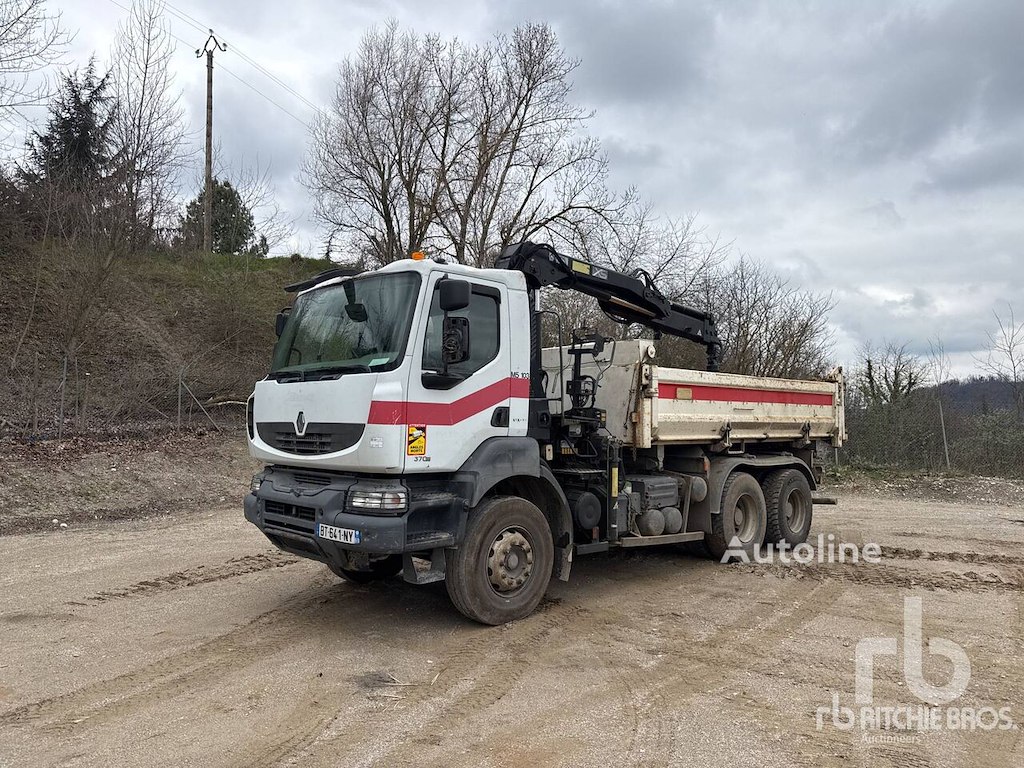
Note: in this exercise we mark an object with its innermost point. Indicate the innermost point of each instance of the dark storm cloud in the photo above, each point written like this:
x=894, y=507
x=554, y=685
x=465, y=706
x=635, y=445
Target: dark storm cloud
x=621, y=151
x=997, y=164
x=631, y=53
x=931, y=69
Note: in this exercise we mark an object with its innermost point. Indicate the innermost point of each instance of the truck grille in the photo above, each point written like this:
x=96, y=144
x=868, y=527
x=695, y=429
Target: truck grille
x=309, y=444
x=290, y=510
x=317, y=439
x=312, y=478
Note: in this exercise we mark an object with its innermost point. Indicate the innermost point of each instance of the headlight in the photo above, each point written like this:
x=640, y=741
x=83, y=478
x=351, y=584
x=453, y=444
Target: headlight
x=254, y=484
x=392, y=501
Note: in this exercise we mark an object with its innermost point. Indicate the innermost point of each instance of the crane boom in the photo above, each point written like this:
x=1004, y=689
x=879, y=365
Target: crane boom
x=625, y=298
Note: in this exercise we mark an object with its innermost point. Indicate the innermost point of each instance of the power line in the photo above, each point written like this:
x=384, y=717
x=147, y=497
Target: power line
x=182, y=16
x=261, y=93
x=277, y=80
x=188, y=19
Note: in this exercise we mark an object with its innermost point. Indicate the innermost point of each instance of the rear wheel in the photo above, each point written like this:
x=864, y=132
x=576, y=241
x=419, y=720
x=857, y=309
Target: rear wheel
x=741, y=523
x=385, y=568
x=502, y=568
x=788, y=496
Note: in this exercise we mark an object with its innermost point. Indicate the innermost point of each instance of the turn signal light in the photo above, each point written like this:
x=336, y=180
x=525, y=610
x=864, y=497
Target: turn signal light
x=417, y=256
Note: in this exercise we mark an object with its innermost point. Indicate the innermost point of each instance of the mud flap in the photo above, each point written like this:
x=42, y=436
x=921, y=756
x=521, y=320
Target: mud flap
x=563, y=562
x=434, y=573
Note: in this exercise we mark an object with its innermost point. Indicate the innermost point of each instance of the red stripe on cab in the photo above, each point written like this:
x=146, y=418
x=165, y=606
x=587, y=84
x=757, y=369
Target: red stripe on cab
x=447, y=414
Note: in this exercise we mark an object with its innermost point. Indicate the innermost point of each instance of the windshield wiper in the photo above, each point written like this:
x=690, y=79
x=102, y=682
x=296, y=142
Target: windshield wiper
x=323, y=372
x=334, y=370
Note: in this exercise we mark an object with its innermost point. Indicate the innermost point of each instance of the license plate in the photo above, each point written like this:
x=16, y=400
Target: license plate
x=342, y=535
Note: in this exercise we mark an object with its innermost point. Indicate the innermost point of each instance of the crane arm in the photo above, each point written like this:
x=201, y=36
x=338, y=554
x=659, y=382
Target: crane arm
x=625, y=298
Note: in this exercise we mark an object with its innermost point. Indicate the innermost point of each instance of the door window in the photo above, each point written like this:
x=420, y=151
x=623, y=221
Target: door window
x=482, y=313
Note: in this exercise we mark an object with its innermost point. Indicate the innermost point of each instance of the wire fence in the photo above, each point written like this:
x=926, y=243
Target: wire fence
x=926, y=431
x=56, y=398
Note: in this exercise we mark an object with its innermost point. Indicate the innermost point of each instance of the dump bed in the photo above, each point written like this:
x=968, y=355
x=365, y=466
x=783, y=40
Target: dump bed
x=648, y=405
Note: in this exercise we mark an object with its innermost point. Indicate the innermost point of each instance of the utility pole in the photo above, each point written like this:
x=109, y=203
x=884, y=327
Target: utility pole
x=211, y=45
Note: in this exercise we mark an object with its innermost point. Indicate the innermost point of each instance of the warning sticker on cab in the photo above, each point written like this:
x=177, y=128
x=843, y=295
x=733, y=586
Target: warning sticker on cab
x=416, y=445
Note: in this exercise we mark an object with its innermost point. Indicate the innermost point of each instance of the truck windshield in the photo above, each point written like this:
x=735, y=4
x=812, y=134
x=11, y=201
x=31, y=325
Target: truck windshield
x=360, y=325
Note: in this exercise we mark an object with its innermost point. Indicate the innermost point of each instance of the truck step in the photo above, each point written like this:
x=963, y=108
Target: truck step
x=415, y=575
x=668, y=538
x=824, y=500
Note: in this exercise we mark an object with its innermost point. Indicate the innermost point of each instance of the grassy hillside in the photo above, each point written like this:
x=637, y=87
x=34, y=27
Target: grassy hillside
x=125, y=334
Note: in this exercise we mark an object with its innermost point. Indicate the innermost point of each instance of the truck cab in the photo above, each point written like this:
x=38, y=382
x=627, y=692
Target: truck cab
x=388, y=414
x=357, y=383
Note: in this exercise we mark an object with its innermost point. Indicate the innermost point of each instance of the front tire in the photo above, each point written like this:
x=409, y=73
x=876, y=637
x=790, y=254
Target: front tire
x=741, y=522
x=501, y=570
x=788, y=495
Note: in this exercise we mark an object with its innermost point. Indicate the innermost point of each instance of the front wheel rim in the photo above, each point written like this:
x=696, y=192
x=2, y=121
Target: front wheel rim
x=510, y=561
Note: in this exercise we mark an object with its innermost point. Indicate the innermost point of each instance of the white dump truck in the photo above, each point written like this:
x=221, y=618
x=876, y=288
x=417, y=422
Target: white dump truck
x=412, y=424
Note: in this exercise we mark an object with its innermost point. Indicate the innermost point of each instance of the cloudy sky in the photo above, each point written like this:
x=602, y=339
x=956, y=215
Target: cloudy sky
x=870, y=149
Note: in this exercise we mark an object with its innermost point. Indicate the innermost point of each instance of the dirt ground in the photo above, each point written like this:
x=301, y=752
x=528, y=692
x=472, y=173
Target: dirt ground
x=174, y=634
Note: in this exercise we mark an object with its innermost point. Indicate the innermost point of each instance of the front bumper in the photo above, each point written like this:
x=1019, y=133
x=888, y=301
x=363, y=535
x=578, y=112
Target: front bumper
x=291, y=504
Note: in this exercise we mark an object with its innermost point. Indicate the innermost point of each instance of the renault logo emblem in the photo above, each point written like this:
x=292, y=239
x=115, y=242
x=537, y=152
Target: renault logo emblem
x=300, y=423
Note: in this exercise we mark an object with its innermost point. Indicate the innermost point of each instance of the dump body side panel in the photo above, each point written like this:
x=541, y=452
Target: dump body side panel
x=648, y=405
x=697, y=406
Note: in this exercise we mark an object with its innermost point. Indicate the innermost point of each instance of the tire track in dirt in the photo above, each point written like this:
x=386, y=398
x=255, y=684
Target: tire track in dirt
x=885, y=575
x=700, y=668
x=200, y=574
x=478, y=674
x=194, y=669
x=306, y=722
x=993, y=558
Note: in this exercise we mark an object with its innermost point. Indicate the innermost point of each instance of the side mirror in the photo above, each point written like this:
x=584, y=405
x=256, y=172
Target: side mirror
x=454, y=295
x=454, y=340
x=281, y=321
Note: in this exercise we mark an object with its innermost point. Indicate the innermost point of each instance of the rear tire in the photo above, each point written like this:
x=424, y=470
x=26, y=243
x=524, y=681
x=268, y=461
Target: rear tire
x=741, y=522
x=788, y=496
x=384, y=568
x=501, y=570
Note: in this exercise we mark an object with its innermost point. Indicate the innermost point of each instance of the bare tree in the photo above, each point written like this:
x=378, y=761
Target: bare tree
x=431, y=143
x=523, y=169
x=938, y=363
x=256, y=187
x=1004, y=358
x=888, y=374
x=371, y=164
x=768, y=326
x=675, y=253
x=31, y=39
x=147, y=128
x=939, y=367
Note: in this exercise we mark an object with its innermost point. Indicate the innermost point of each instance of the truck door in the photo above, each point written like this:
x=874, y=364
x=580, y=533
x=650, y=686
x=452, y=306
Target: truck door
x=445, y=426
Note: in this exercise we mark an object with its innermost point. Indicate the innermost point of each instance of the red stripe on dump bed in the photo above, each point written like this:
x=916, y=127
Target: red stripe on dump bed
x=446, y=414
x=743, y=395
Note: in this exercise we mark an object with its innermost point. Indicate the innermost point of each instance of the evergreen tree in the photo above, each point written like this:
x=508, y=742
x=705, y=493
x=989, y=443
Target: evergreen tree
x=66, y=178
x=233, y=226
x=74, y=150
